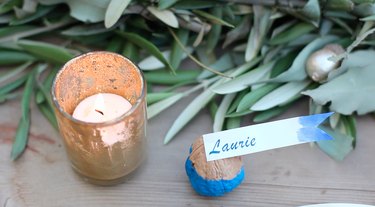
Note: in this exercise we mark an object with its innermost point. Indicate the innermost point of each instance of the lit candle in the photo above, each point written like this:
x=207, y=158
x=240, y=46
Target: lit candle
x=101, y=107
x=104, y=133
x=104, y=107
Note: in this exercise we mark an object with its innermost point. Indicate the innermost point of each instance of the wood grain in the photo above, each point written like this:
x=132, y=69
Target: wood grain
x=292, y=176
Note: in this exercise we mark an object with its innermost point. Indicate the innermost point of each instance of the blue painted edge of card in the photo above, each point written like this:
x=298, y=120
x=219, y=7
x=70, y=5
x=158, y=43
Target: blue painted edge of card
x=310, y=131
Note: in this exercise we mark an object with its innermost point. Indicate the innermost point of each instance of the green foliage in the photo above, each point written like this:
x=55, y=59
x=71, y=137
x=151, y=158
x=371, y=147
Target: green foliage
x=166, y=78
x=46, y=52
x=261, y=25
x=21, y=137
x=250, y=57
x=114, y=11
x=339, y=146
x=297, y=71
x=221, y=112
x=149, y=46
x=291, y=33
x=165, y=16
x=189, y=112
x=280, y=96
x=357, y=83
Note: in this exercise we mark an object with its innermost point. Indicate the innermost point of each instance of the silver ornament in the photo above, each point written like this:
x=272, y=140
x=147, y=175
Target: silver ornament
x=319, y=64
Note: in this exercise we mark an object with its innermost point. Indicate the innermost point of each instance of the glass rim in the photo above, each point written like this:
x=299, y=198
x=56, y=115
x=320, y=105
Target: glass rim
x=108, y=122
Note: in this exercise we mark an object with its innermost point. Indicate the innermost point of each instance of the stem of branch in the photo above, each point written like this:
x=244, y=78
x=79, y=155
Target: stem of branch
x=193, y=58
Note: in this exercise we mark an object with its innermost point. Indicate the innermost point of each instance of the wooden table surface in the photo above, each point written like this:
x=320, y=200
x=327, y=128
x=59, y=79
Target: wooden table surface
x=291, y=176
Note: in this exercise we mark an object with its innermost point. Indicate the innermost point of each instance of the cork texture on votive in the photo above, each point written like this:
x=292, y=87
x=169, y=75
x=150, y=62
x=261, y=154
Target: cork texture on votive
x=97, y=72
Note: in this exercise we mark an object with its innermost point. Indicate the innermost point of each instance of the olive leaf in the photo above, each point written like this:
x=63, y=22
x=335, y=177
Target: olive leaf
x=166, y=78
x=237, y=100
x=155, y=97
x=337, y=148
x=364, y=9
x=160, y=106
x=177, y=53
x=86, y=30
x=165, y=16
x=245, y=80
x=233, y=122
x=263, y=116
x=190, y=111
x=262, y=23
x=334, y=120
x=46, y=51
x=291, y=33
x=212, y=107
x=357, y=83
x=41, y=11
x=13, y=85
x=115, y=44
x=21, y=137
x=221, y=112
x=131, y=51
x=26, y=31
x=165, y=4
x=212, y=18
x=149, y=46
x=195, y=4
x=153, y=63
x=85, y=11
x=214, y=34
x=225, y=62
x=114, y=11
x=238, y=32
x=368, y=18
x=311, y=12
x=280, y=95
x=359, y=58
x=9, y=96
x=11, y=30
x=14, y=57
x=253, y=96
x=8, y=5
x=14, y=72
x=345, y=5
x=41, y=95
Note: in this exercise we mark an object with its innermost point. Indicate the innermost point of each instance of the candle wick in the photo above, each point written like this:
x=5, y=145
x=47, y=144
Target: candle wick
x=99, y=112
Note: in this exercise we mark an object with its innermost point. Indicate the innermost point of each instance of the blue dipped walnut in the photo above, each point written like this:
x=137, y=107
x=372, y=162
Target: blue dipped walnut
x=213, y=178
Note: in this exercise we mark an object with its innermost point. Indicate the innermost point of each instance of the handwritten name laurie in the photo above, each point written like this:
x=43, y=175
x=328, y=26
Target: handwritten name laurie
x=226, y=147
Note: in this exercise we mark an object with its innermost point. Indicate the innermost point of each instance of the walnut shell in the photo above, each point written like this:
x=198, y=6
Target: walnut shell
x=213, y=178
x=225, y=169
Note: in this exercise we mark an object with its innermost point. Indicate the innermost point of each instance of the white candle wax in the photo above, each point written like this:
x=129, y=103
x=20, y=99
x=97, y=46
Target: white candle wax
x=101, y=107
x=104, y=107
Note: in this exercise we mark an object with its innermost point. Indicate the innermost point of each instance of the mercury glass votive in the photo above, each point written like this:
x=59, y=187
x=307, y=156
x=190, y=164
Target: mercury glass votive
x=104, y=153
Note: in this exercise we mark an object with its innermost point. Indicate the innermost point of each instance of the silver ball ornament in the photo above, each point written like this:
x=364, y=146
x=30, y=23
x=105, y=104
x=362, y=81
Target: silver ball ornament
x=319, y=65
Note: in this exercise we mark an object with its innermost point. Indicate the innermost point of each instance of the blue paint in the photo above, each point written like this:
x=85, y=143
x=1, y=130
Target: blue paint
x=211, y=187
x=310, y=131
x=310, y=134
x=313, y=120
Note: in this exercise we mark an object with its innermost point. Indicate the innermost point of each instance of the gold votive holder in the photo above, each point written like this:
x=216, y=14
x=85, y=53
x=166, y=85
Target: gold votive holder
x=91, y=155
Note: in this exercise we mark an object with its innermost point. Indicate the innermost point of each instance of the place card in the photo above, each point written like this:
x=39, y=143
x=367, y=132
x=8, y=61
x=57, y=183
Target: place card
x=266, y=136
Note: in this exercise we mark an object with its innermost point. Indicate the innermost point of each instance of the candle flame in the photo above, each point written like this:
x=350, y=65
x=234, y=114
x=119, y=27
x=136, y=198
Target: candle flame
x=99, y=105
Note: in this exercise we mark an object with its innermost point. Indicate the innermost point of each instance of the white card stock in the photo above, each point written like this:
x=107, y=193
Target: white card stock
x=261, y=137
